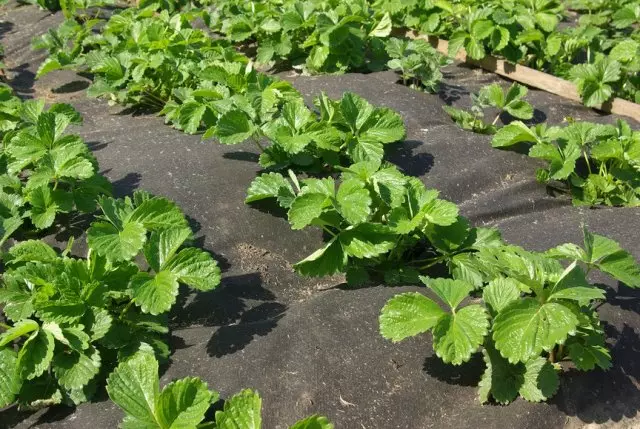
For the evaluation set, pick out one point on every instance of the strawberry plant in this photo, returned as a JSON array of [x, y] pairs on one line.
[[319, 37], [70, 320], [528, 314], [380, 224], [492, 96], [43, 171], [349, 129], [417, 62], [596, 164], [133, 386]]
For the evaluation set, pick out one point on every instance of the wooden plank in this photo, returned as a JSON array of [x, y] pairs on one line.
[[533, 78]]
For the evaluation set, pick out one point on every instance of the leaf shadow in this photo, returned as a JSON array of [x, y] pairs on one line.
[[450, 93], [242, 156], [408, 157], [604, 396], [467, 374], [71, 87], [240, 308]]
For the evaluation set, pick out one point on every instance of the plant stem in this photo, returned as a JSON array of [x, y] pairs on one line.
[[4, 326], [433, 262], [495, 120], [125, 310], [560, 351], [552, 355], [328, 231], [586, 159]]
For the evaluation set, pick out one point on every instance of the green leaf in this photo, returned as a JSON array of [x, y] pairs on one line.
[[609, 257], [515, 132], [625, 51], [383, 27], [116, 245], [36, 354], [133, 386], [574, 286], [43, 207], [562, 158], [501, 380], [520, 109], [30, 251], [154, 294], [271, 185], [536, 380], [440, 212], [622, 266], [158, 213], [325, 261], [499, 293], [98, 322], [525, 328], [541, 380], [241, 411], [353, 201], [456, 42], [191, 114], [387, 127], [452, 292], [183, 403], [74, 369], [48, 65], [9, 376], [313, 422], [195, 268], [408, 314], [492, 95], [21, 328], [456, 336], [586, 356], [163, 244], [305, 208], [234, 127], [481, 29], [367, 240]]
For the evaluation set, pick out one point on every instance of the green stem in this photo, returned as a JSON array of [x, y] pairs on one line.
[[125, 310], [586, 159], [495, 120], [328, 231], [433, 262], [5, 326]]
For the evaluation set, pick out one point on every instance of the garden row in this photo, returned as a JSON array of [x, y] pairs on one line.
[[592, 43], [327, 170], [76, 322]]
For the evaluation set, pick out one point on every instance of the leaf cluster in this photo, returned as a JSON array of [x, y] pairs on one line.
[[527, 314], [492, 96], [597, 164], [73, 319], [417, 62], [343, 131], [134, 387], [43, 170], [317, 36]]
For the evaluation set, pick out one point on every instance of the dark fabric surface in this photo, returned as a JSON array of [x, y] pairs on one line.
[[309, 347]]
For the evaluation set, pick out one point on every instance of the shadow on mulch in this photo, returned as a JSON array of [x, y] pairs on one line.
[[603, 396], [409, 161], [241, 308]]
